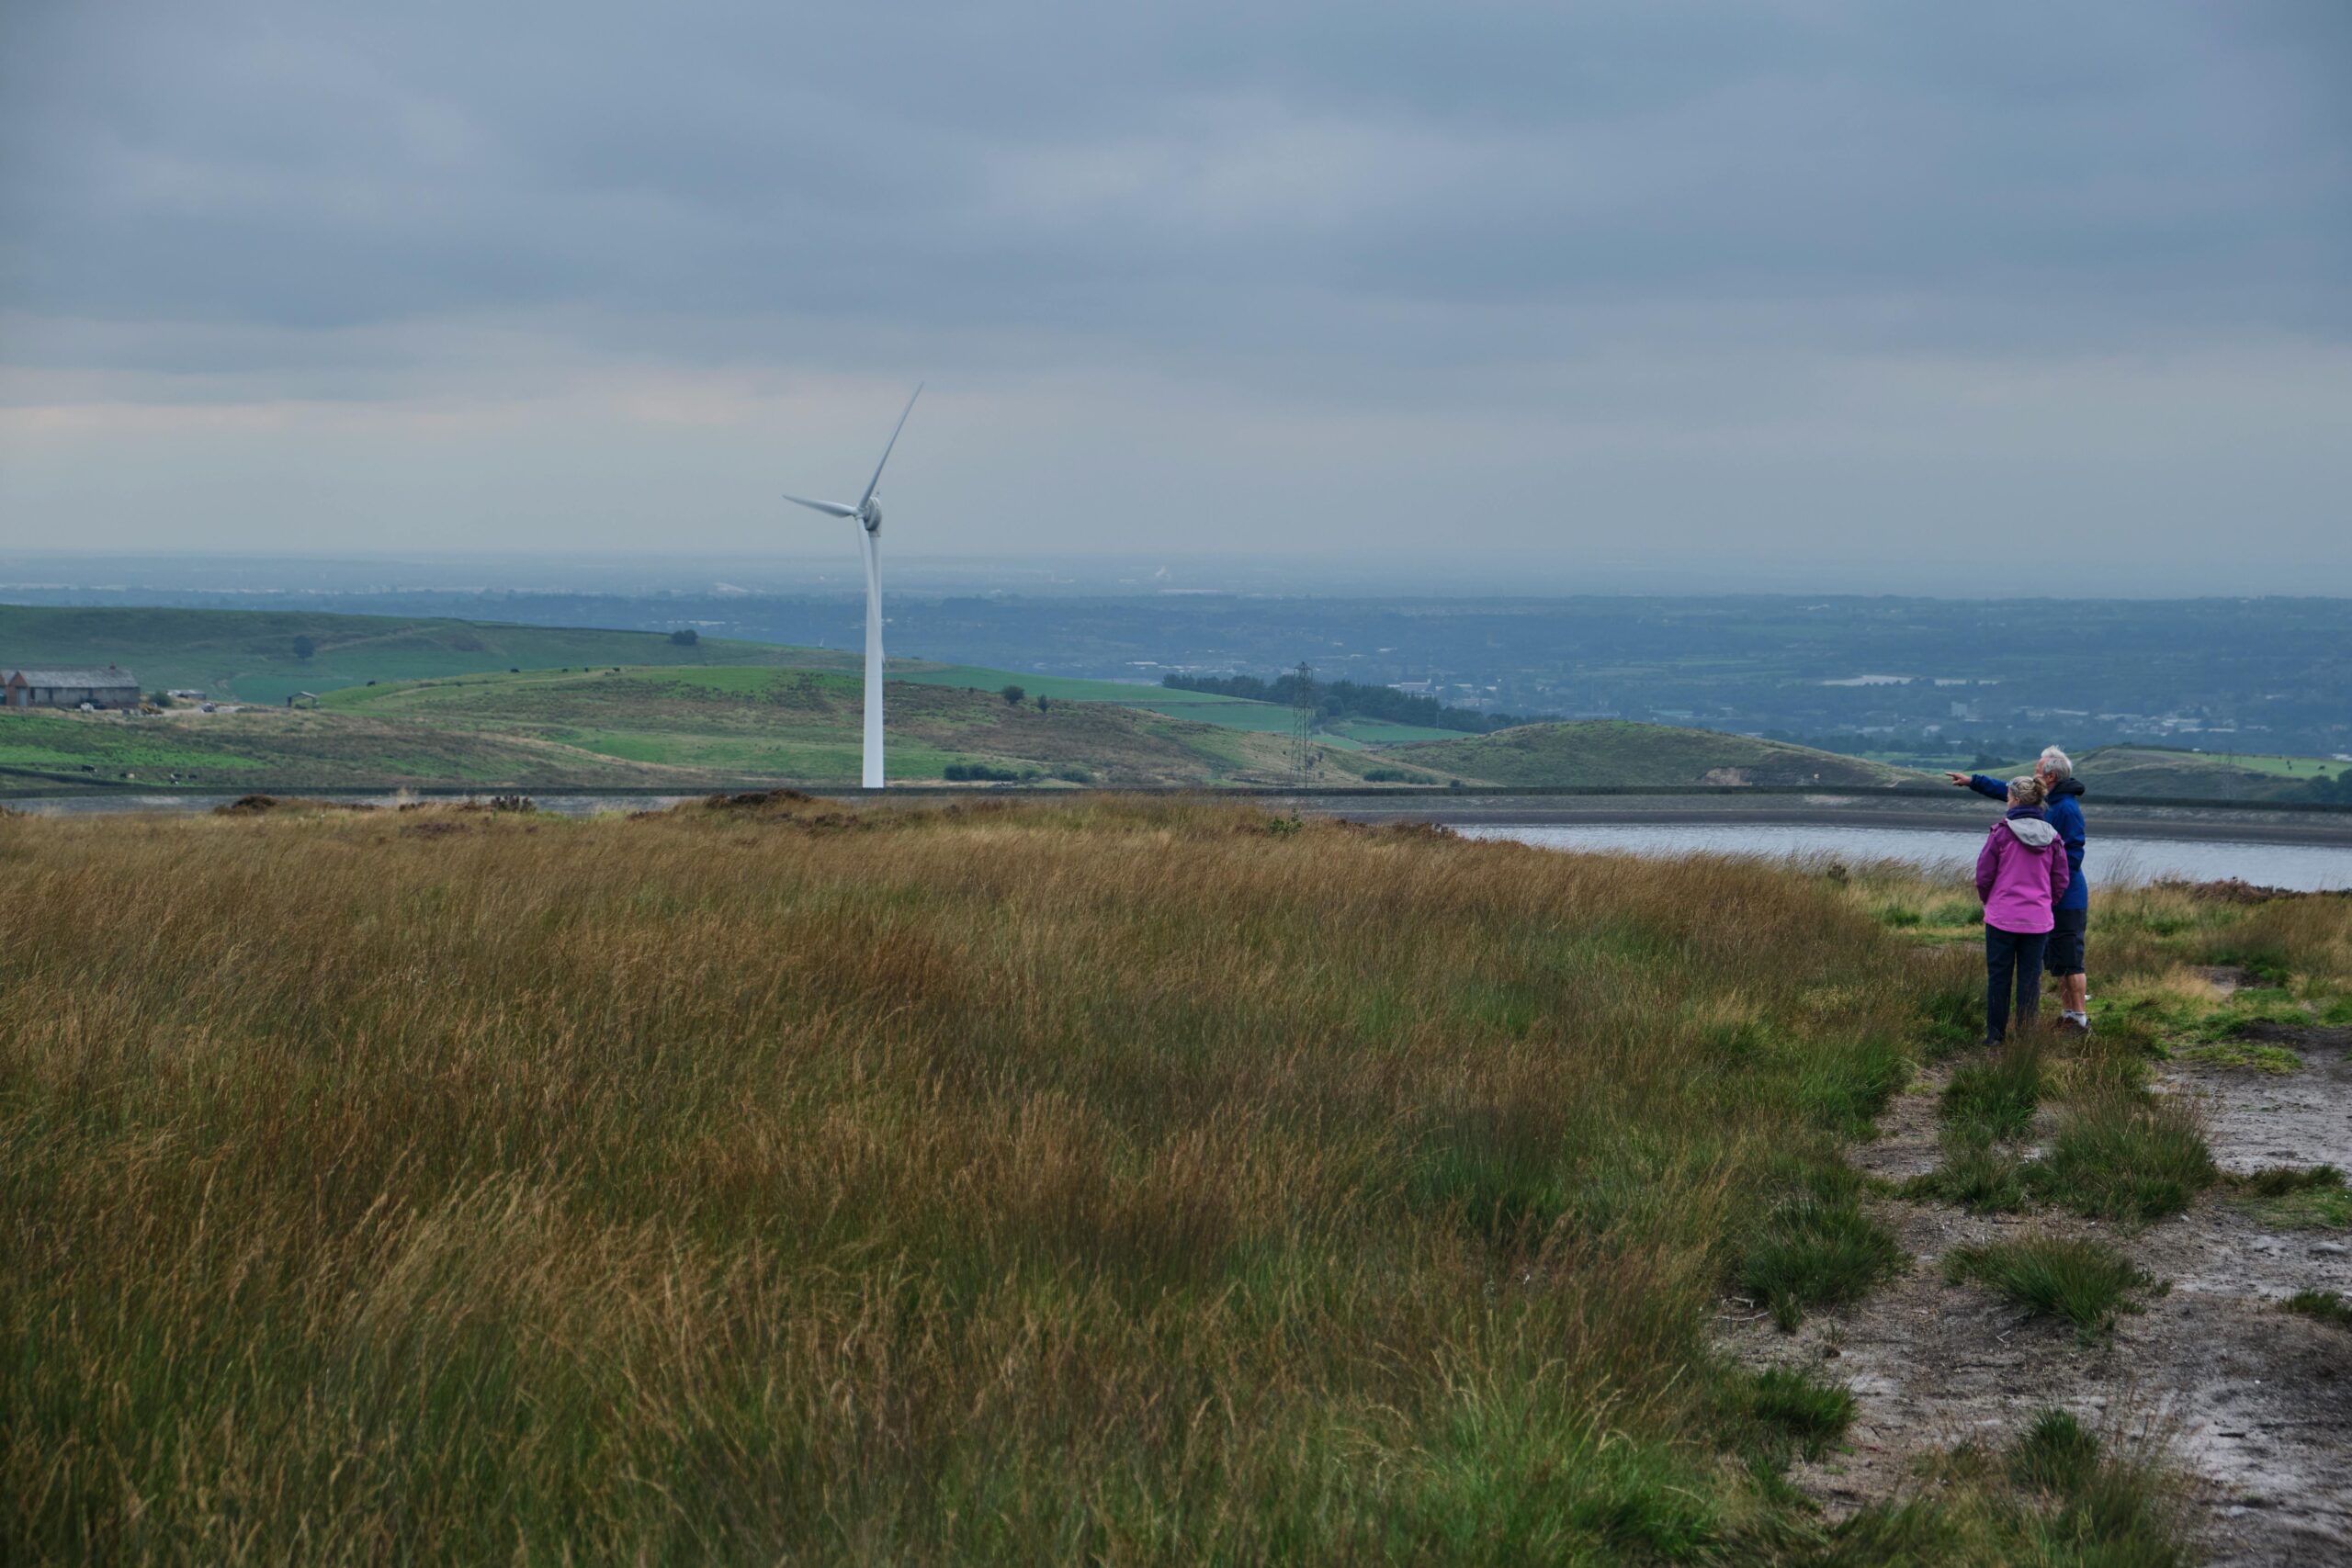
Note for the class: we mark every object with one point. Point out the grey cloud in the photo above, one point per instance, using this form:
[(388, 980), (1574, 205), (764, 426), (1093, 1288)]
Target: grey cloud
[(1730, 273), (1179, 179)]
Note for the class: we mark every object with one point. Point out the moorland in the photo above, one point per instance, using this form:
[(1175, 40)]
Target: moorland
[(1094, 1181)]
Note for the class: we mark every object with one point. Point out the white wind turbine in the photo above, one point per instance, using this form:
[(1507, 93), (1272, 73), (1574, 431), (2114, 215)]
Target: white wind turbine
[(868, 517)]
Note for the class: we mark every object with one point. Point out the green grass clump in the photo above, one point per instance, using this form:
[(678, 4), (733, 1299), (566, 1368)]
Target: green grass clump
[(2293, 1198), (1954, 1019), (1815, 1252), (2323, 1306), (1995, 1100), (2245, 1054), (2120, 1154), (1846, 1092), (2085, 1282), (2057, 1498), (1795, 1413), (2053, 1454), (1979, 1178)]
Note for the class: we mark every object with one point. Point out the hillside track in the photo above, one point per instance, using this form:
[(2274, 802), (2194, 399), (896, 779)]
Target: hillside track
[(2252, 1403)]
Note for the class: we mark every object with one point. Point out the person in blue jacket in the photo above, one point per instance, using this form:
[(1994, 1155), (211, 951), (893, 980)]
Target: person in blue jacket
[(2061, 810)]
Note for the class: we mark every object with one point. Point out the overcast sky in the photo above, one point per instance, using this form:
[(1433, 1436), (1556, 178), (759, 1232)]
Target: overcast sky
[(1859, 294)]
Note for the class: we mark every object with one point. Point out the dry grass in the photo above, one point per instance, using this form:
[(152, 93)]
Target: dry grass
[(1099, 1182)]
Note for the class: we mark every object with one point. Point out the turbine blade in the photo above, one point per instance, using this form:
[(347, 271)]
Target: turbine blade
[(830, 508), (886, 451)]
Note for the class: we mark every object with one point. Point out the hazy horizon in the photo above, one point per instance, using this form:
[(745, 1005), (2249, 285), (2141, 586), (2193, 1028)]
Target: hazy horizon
[(1810, 295), (1064, 575)]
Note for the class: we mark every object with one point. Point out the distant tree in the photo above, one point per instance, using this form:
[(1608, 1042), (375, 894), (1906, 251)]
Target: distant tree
[(1012, 696), (159, 699), (1043, 703), (303, 646), (2336, 791), (684, 636), (1349, 699)]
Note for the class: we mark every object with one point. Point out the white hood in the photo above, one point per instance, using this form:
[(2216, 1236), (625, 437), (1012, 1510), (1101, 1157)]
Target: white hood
[(2032, 831)]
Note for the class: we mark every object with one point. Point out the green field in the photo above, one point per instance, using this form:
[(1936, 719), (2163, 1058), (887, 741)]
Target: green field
[(1611, 753), (806, 725), (673, 726), (1382, 732), (2292, 767), (252, 655), (1206, 707), (2128, 770), (2148, 770)]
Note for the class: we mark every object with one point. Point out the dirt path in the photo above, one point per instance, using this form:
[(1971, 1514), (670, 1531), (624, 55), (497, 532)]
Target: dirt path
[(2254, 1402)]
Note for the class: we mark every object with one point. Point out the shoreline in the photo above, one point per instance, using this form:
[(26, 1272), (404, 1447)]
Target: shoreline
[(2217, 821)]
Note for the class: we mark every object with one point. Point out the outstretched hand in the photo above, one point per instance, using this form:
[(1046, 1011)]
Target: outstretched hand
[(1961, 779)]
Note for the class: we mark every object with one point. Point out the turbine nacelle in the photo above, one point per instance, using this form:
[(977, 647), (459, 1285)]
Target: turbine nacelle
[(870, 516)]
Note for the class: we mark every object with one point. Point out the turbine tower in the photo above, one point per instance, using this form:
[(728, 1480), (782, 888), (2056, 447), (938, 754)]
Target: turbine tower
[(868, 513)]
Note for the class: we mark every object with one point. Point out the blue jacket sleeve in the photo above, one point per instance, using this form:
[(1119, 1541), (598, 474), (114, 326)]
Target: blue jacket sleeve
[(1993, 787)]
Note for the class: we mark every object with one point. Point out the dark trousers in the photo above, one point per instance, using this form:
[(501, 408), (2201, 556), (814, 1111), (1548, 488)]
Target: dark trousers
[(2011, 957)]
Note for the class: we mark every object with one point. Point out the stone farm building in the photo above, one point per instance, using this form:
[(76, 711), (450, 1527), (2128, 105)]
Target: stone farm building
[(111, 687)]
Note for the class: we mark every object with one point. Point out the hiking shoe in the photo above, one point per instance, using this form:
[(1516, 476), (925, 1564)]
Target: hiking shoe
[(2074, 1026)]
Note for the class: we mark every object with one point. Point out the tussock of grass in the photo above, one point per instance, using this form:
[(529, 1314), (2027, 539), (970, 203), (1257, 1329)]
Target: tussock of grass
[(1977, 1176), (2085, 1282), (2296, 1198), (1796, 1411), (1995, 1100), (2053, 1454), (2122, 1156), (1089, 1180), (2243, 1054), (2323, 1306), (1848, 1093), (1813, 1252), (1953, 1014), (2056, 1496)]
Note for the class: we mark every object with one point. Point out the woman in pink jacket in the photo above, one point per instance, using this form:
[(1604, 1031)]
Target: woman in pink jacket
[(2020, 873)]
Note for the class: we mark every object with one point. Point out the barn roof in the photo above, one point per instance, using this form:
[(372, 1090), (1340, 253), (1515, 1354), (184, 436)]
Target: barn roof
[(89, 675)]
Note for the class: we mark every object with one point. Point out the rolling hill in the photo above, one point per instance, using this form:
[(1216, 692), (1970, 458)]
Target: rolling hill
[(681, 727), (2129, 770), (739, 722), (258, 655), (1611, 753), (470, 702)]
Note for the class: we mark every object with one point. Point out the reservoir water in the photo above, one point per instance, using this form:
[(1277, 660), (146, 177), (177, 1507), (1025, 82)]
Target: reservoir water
[(2306, 867)]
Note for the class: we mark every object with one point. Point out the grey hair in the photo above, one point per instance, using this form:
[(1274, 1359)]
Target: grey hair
[(2056, 764)]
